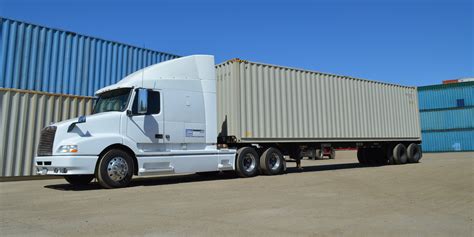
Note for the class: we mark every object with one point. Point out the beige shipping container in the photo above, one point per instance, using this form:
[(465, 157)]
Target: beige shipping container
[(259, 103), (22, 116)]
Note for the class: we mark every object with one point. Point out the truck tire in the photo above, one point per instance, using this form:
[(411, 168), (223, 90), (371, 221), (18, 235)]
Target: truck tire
[(115, 169), (400, 154), (332, 155), (362, 155), (389, 154), (371, 156), (79, 179), (246, 162), (414, 153), (381, 156), (319, 154), (272, 162)]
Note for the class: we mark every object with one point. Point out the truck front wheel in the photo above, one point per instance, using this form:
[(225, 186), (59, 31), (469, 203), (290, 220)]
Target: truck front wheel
[(115, 169), (79, 179), (246, 163)]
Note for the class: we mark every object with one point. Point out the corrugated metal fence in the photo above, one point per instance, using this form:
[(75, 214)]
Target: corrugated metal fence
[(22, 116), (38, 58)]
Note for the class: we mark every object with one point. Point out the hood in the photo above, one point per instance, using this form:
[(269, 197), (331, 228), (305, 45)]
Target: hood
[(96, 125)]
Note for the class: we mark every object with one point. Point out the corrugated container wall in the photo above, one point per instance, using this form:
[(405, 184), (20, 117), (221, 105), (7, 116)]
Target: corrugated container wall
[(446, 96), (266, 103), (38, 58), (447, 117), (22, 116), (446, 141)]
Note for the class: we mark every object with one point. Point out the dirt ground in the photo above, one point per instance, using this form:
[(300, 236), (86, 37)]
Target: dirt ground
[(330, 198)]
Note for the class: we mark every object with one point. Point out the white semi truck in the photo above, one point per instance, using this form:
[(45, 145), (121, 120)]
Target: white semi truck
[(175, 117)]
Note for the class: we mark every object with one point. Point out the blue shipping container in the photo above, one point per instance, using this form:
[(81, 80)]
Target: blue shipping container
[(447, 119), (448, 141), (446, 96), (38, 58)]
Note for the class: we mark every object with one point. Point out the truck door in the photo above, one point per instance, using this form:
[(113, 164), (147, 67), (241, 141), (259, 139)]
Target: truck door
[(147, 130)]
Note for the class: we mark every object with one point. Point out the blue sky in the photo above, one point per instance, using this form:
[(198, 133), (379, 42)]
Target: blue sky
[(409, 42)]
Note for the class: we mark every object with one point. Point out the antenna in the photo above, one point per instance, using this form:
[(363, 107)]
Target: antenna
[(143, 63)]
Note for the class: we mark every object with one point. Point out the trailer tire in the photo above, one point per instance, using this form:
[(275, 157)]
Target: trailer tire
[(79, 179), (381, 158), (115, 169), (332, 155), (414, 153), (246, 162), (389, 154), (272, 162), (400, 154), (362, 155), (371, 156), (319, 154)]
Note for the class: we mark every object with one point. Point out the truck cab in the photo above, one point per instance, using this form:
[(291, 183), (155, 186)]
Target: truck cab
[(158, 120)]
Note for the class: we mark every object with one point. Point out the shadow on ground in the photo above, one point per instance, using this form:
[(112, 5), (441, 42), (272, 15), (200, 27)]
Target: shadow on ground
[(190, 178)]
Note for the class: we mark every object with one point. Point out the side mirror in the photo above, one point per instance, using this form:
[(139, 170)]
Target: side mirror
[(142, 101)]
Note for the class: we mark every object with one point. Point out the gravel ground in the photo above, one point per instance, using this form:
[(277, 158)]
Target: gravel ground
[(329, 198)]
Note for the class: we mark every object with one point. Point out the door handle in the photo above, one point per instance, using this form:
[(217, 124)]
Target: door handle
[(159, 136)]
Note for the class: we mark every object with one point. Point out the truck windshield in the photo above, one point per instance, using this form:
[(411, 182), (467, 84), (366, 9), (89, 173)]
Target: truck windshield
[(115, 100)]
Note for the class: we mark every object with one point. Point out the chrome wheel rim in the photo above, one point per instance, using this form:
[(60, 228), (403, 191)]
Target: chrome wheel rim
[(117, 169), (249, 162), (275, 161)]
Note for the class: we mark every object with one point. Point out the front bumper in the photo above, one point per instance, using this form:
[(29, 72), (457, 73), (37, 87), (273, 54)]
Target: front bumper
[(65, 165)]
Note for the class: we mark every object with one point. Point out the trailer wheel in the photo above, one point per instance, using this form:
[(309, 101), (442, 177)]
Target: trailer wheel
[(247, 162), (332, 155), (389, 154), (115, 169), (381, 156), (400, 154), (272, 161), (362, 155), (414, 153), (371, 155), (319, 154), (79, 179)]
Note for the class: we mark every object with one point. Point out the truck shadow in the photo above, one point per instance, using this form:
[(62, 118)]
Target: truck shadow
[(190, 178)]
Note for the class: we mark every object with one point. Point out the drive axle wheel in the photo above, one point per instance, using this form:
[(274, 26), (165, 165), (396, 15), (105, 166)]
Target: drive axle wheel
[(272, 161), (246, 162), (115, 169), (79, 179)]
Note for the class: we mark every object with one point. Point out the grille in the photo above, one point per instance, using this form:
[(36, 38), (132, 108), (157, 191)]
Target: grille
[(45, 146)]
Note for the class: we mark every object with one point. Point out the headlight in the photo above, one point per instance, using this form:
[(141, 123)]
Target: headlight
[(67, 149)]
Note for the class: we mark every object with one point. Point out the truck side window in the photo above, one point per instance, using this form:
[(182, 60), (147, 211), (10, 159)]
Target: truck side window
[(154, 105)]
